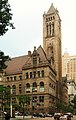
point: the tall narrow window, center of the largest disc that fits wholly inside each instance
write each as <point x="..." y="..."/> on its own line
<point x="20" y="77"/>
<point x="52" y="28"/>
<point x="14" y="89"/>
<point x="47" y="29"/>
<point x="41" y="98"/>
<point x="35" y="61"/>
<point x="14" y="77"/>
<point x="34" y="87"/>
<point x="41" y="87"/>
<point x="20" y="88"/>
<point x="38" y="73"/>
<point x="34" y="74"/>
<point x="27" y="75"/>
<point x="11" y="78"/>
<point x="27" y="88"/>
<point x="42" y="73"/>
<point x="30" y="74"/>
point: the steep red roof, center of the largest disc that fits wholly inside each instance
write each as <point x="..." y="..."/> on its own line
<point x="15" y="65"/>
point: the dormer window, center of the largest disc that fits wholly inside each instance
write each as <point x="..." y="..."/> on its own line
<point x="35" y="57"/>
<point x="35" y="61"/>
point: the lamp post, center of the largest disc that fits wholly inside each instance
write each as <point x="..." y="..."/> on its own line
<point x="11" y="104"/>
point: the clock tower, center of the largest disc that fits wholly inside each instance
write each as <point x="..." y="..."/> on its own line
<point x="52" y="40"/>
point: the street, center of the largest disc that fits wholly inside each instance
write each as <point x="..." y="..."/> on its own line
<point x="28" y="118"/>
<point x="46" y="118"/>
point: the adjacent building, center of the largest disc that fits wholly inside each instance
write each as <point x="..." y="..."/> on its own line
<point x="71" y="89"/>
<point x="69" y="70"/>
<point x="69" y="66"/>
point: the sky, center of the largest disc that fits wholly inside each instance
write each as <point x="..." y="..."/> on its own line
<point x="28" y="22"/>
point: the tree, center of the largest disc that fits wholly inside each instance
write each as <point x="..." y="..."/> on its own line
<point x="5" y="17"/>
<point x="74" y="103"/>
<point x="3" y="59"/>
<point x="24" y="99"/>
<point x="4" y="97"/>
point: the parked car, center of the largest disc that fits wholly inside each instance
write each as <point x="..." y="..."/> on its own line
<point x="65" y="117"/>
<point x="57" y="116"/>
<point x="35" y="115"/>
<point x="48" y="115"/>
<point x="38" y="115"/>
<point x="41" y="115"/>
<point x="70" y="114"/>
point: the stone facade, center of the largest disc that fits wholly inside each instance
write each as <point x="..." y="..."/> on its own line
<point x="52" y="42"/>
<point x="39" y="73"/>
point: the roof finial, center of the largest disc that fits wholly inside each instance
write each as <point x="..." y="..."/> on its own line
<point x="51" y="4"/>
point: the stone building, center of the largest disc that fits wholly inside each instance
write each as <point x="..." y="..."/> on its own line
<point x="71" y="90"/>
<point x="69" y="66"/>
<point x="39" y="73"/>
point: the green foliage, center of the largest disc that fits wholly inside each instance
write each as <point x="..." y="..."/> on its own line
<point x="23" y="99"/>
<point x="3" y="59"/>
<point x="64" y="108"/>
<point x="4" y="96"/>
<point x="5" y="17"/>
<point x="74" y="102"/>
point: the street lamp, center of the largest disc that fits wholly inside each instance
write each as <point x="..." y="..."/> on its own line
<point x="11" y="104"/>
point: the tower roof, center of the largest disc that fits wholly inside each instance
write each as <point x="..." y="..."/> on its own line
<point x="51" y="9"/>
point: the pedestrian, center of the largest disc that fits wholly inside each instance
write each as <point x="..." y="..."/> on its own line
<point x="7" y="116"/>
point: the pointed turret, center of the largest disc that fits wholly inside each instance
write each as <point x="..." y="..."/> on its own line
<point x="52" y="9"/>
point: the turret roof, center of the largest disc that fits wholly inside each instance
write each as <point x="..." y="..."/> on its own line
<point x="51" y="9"/>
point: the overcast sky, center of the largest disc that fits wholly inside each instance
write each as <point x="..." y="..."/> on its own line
<point x="28" y="20"/>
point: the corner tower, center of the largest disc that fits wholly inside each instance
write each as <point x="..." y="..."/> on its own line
<point x="52" y="39"/>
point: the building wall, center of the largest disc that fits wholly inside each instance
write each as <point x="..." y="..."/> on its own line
<point x="52" y="42"/>
<point x="71" y="89"/>
<point x="44" y="89"/>
<point x="69" y="66"/>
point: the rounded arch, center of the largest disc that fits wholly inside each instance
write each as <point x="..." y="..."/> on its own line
<point x="34" y="84"/>
<point x="27" y="88"/>
<point x="41" y="86"/>
<point x="34" y="87"/>
<point x="27" y="85"/>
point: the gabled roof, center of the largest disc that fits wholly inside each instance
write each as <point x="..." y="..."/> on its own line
<point x="51" y="9"/>
<point x="40" y="53"/>
<point x="15" y="65"/>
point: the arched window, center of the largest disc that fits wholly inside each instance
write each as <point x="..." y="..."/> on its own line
<point x="34" y="87"/>
<point x="47" y="29"/>
<point x="27" y="88"/>
<point x="14" y="89"/>
<point x="41" y="86"/>
<point x="52" y="28"/>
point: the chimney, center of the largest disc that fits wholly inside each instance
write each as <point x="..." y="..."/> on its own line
<point x="29" y="53"/>
<point x="34" y="47"/>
